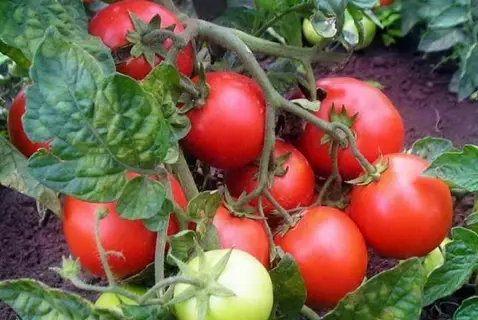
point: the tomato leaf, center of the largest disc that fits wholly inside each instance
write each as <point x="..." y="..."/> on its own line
<point x="14" y="174"/>
<point x="461" y="260"/>
<point x="468" y="310"/>
<point x="289" y="287"/>
<point x="450" y="17"/>
<point x="363" y="4"/>
<point x="204" y="205"/>
<point x="23" y="23"/>
<point x="15" y="54"/>
<point x="142" y="198"/>
<point x="99" y="125"/>
<point x="467" y="77"/>
<point x="145" y="312"/>
<point x="181" y="245"/>
<point x="160" y="220"/>
<point x="440" y="39"/>
<point x="394" y="294"/>
<point x="329" y="18"/>
<point x="458" y="168"/>
<point x="33" y="300"/>
<point x="430" y="148"/>
<point x="283" y="75"/>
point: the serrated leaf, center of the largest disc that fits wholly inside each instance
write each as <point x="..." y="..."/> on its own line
<point x="142" y="198"/>
<point x="14" y="174"/>
<point x="23" y="24"/>
<point x="461" y="260"/>
<point x="289" y="287"/>
<point x="393" y="294"/>
<point x="33" y="300"/>
<point x="467" y="76"/>
<point x="98" y="125"/>
<point x="468" y="310"/>
<point x="145" y="312"/>
<point x="440" y="39"/>
<point x="290" y="27"/>
<point x="204" y="204"/>
<point x="459" y="168"/>
<point x="450" y="17"/>
<point x="430" y="148"/>
<point x="181" y="244"/>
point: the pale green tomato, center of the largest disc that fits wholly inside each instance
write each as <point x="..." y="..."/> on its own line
<point x="245" y="276"/>
<point x="435" y="258"/>
<point x="370" y="29"/>
<point x="113" y="301"/>
<point x="310" y="34"/>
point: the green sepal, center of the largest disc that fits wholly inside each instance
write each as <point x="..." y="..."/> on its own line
<point x="366" y="178"/>
<point x="340" y="117"/>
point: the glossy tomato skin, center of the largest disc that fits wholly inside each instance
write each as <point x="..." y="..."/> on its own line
<point x="296" y="188"/>
<point x="385" y="3"/>
<point x="227" y="132"/>
<point x="378" y="126"/>
<point x="113" y="23"/>
<point x="245" y="234"/>
<point x="330" y="252"/>
<point x="131" y="238"/>
<point x="16" y="133"/>
<point x="245" y="276"/>
<point x="403" y="214"/>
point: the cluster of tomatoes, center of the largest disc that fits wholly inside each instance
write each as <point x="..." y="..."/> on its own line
<point x="400" y="215"/>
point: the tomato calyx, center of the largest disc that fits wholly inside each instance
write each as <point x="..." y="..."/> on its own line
<point x="195" y="94"/>
<point x="239" y="212"/>
<point x="277" y="168"/>
<point x="380" y="166"/>
<point x="343" y="118"/>
<point x="284" y="227"/>
<point x="205" y="281"/>
<point x="70" y="268"/>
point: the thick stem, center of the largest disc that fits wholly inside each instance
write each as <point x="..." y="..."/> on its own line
<point x="282" y="212"/>
<point x="310" y="77"/>
<point x="278" y="17"/>
<point x="163" y="284"/>
<point x="101" y="251"/>
<point x="269" y="141"/>
<point x="309" y="313"/>
<point x="185" y="177"/>
<point x="333" y="176"/>
<point x="260" y="209"/>
<point x="190" y="88"/>
<point x="88" y="287"/>
<point x="159" y="254"/>
<point x="187" y="36"/>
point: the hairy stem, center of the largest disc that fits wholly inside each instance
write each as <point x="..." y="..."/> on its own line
<point x="333" y="176"/>
<point x="185" y="177"/>
<point x="309" y="75"/>
<point x="159" y="254"/>
<point x="88" y="287"/>
<point x="309" y="313"/>
<point x="260" y="209"/>
<point x="101" y="251"/>
<point x="282" y="212"/>
<point x="163" y="284"/>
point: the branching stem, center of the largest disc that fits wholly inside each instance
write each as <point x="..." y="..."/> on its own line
<point x="101" y="251"/>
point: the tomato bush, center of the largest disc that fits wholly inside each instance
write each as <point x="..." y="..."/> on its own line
<point x="114" y="22"/>
<point x="242" y="233"/>
<point x="292" y="181"/>
<point x="245" y="277"/>
<point x="397" y="228"/>
<point x="378" y="126"/>
<point x="16" y="132"/>
<point x="227" y="131"/>
<point x="330" y="252"/>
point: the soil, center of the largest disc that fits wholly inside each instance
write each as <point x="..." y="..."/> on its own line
<point x="28" y="249"/>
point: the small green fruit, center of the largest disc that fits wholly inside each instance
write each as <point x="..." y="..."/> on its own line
<point x="436" y="258"/>
<point x="113" y="301"/>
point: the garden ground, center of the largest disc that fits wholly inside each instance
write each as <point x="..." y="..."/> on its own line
<point x="28" y="249"/>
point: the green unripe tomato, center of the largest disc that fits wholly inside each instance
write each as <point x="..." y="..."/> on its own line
<point x="370" y="29"/>
<point x="310" y="34"/>
<point x="245" y="276"/>
<point x="435" y="258"/>
<point x="113" y="301"/>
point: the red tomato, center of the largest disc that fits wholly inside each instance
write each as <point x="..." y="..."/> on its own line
<point x="245" y="234"/>
<point x="378" y="126"/>
<point x="294" y="189"/>
<point x="130" y="237"/>
<point x="330" y="252"/>
<point x="384" y="3"/>
<point x="227" y="132"/>
<point x="404" y="214"/>
<point x="16" y="133"/>
<point x="113" y="23"/>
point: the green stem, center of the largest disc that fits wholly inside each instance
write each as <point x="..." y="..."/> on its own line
<point x="278" y="17"/>
<point x="282" y="212"/>
<point x="310" y="77"/>
<point x="189" y="87"/>
<point x="309" y="313"/>
<point x="163" y="284"/>
<point x="185" y="177"/>
<point x="260" y="209"/>
<point x="159" y="254"/>
<point x="88" y="287"/>
<point x="101" y="251"/>
<point x="334" y="174"/>
<point x="269" y="142"/>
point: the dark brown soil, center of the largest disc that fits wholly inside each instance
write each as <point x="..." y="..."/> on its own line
<point x="28" y="249"/>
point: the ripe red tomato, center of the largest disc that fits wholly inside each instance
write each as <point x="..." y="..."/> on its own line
<point x="245" y="234"/>
<point x="330" y="252"/>
<point x="130" y="237"/>
<point x="378" y="126"/>
<point x="227" y="132"/>
<point x="16" y="133"/>
<point x="384" y="3"/>
<point x="113" y="23"/>
<point x="403" y="214"/>
<point x="294" y="189"/>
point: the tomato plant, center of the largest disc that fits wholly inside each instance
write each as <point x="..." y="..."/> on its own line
<point x="292" y="179"/>
<point x="330" y="252"/>
<point x="367" y="111"/>
<point x="113" y="23"/>
<point x="397" y="228"/>
<point x="16" y="132"/>
<point x="247" y="279"/>
<point x="114" y="301"/>
<point x="227" y="130"/>
<point x="242" y="233"/>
